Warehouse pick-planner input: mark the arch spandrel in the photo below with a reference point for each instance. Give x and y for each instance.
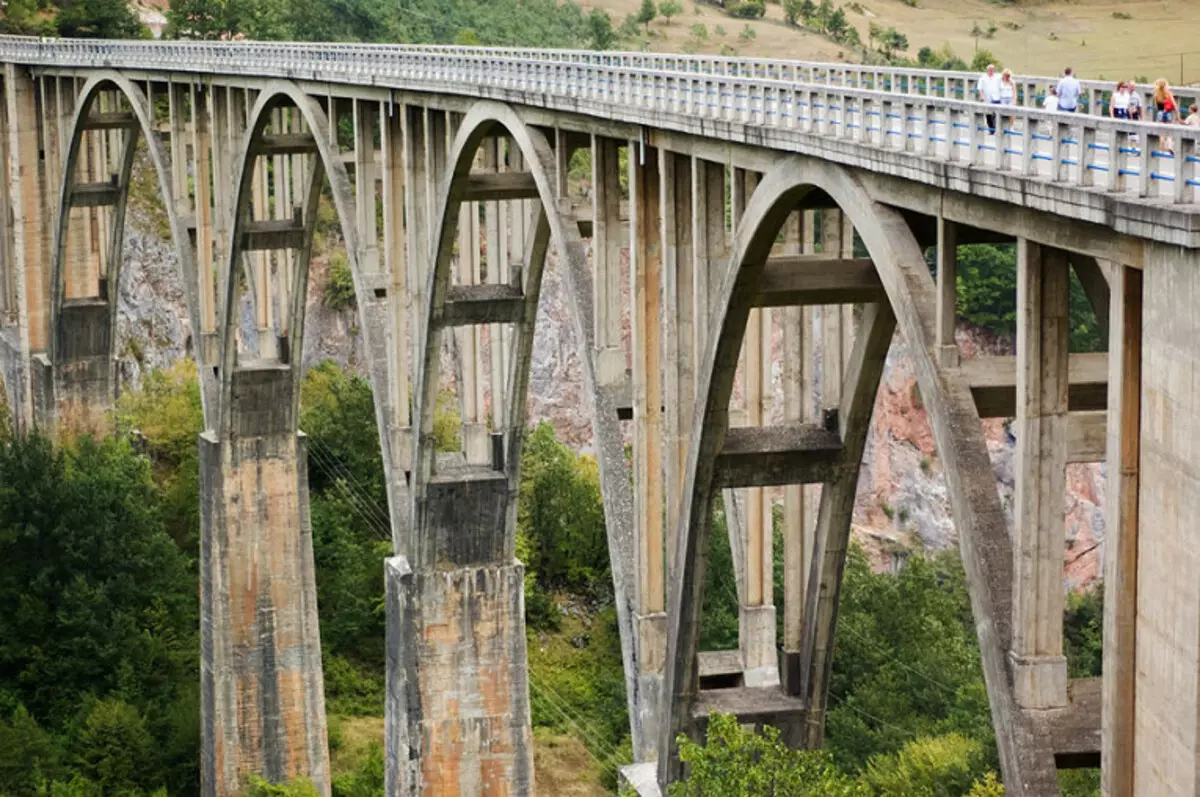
(110, 80)
(984, 540)
(556, 226)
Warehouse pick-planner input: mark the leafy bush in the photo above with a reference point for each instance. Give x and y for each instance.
(1083, 632)
(114, 749)
(669, 8)
(561, 517)
(941, 767)
(339, 290)
(747, 9)
(699, 31)
(737, 761)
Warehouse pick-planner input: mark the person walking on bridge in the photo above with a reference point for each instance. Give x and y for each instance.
(988, 87)
(1165, 109)
(1068, 91)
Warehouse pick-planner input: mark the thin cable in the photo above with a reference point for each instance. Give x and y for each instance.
(354, 503)
(850, 630)
(609, 753)
(903, 731)
(328, 462)
(344, 471)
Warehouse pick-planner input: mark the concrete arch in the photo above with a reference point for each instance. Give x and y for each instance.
(557, 226)
(109, 80)
(975, 501)
(327, 163)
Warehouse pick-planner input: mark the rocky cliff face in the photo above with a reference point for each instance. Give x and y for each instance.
(902, 499)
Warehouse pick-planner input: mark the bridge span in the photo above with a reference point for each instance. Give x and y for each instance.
(752, 196)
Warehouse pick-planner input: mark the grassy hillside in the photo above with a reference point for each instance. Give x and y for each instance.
(1031, 37)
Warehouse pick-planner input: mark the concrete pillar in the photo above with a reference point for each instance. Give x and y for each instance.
(471, 393)
(1167, 673)
(607, 241)
(1121, 531)
(1043, 290)
(756, 620)
(797, 408)
(947, 291)
(30, 226)
(677, 351)
(497, 273)
(458, 705)
(646, 288)
(262, 687)
(401, 325)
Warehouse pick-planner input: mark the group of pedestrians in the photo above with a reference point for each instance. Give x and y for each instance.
(1126, 101)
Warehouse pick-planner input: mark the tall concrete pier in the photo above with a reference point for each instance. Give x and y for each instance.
(732, 204)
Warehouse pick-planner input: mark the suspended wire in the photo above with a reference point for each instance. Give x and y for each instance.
(608, 756)
(905, 732)
(850, 630)
(355, 501)
(361, 503)
(330, 462)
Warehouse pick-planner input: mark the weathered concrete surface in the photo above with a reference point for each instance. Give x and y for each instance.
(1166, 731)
(83, 373)
(262, 686)
(458, 700)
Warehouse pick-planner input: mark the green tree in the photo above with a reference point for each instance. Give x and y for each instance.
(647, 13)
(561, 517)
(939, 767)
(20, 17)
(735, 761)
(99, 19)
(1083, 632)
(669, 8)
(27, 756)
(792, 11)
(822, 14)
(168, 415)
(982, 59)
(835, 25)
(99, 598)
(115, 751)
(906, 663)
(747, 9)
(600, 30)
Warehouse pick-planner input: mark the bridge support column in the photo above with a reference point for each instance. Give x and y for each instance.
(458, 703)
(1121, 532)
(28, 246)
(1166, 688)
(262, 686)
(1039, 668)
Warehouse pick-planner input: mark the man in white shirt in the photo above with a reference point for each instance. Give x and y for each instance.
(988, 87)
(1068, 92)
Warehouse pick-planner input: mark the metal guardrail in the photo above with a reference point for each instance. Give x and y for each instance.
(909, 111)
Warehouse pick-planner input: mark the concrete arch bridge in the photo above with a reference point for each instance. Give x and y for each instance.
(752, 196)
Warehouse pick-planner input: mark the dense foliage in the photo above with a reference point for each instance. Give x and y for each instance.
(98, 652)
(987, 296)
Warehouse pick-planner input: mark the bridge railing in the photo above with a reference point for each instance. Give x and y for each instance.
(896, 110)
(1031, 89)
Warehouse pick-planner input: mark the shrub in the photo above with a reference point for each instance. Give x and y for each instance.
(1122, 15)
(339, 290)
(747, 9)
(747, 34)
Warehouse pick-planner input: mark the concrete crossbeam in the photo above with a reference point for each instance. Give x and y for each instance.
(764, 456)
(270, 234)
(94, 195)
(482, 304)
(113, 120)
(285, 144)
(494, 186)
(993, 383)
(804, 280)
